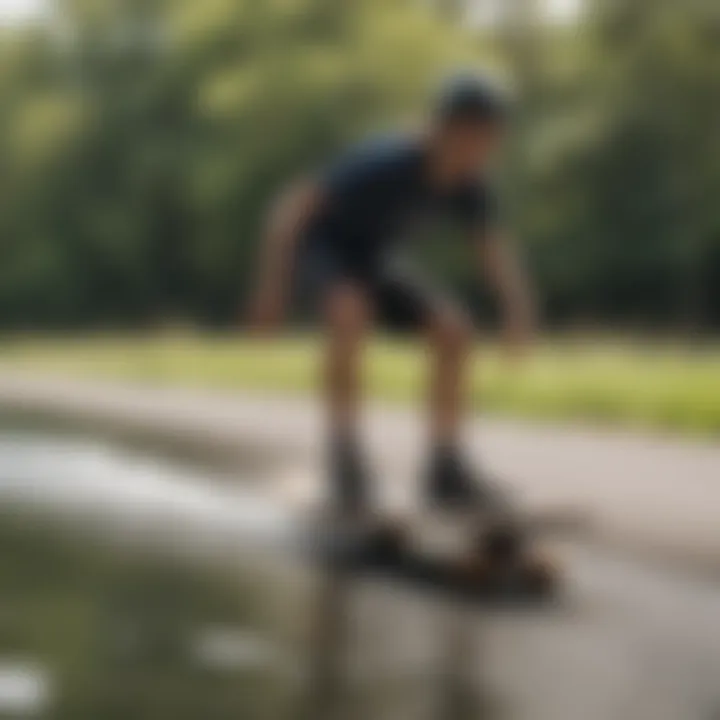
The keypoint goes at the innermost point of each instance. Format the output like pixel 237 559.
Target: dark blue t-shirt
pixel 378 193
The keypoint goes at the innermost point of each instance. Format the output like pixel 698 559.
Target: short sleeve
pixel 371 168
pixel 335 179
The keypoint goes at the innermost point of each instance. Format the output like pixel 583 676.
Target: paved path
pixel 642 644
pixel 654 491
pixel 636 643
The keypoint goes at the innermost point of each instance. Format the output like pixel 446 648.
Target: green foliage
pixel 626 161
pixel 141 142
pixel 155 140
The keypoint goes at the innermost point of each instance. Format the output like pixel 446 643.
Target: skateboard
pixel 484 558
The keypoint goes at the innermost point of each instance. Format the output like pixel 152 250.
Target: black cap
pixel 473 97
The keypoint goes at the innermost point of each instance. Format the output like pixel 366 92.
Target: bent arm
pixel 504 271
pixel 287 222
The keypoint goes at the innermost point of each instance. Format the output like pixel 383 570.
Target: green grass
pixel 621 383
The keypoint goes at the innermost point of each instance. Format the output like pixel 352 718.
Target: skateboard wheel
pixel 516 577
pixel 541 577
pixel 475 574
pixel 388 541
pixel 501 544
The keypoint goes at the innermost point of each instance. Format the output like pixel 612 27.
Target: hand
pixel 266 310
pixel 518 336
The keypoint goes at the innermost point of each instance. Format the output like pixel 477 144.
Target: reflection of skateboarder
pixel 341 229
pixel 460 693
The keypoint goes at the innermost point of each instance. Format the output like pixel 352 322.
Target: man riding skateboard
pixel 342 231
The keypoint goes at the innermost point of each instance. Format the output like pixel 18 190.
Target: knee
pixel 452 334
pixel 347 312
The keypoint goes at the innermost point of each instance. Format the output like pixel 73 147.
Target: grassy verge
pixel 661 386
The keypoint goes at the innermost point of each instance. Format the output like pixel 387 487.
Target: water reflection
pixel 132 584
pixel 135 587
pixel 325 694
pixel 456 694
pixel 107 596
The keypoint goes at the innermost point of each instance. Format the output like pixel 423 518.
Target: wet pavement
pixel 636 639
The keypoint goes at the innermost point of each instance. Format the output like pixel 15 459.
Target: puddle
pixel 110 582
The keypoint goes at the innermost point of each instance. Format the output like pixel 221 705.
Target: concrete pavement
pixel 651 491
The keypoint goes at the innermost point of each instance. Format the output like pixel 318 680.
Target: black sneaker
pixel 349 480
pixel 452 485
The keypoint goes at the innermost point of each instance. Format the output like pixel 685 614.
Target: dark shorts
pixel 403 299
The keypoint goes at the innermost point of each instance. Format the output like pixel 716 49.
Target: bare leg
pixel 452 482
pixel 347 314
pixel 347 317
pixel 450 335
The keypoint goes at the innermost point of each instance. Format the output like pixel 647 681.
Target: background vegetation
pixel 613 382
pixel 140 143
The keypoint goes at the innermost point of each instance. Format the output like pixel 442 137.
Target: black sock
pixel 443 452
pixel 343 442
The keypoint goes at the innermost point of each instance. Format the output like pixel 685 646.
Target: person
pixel 346 226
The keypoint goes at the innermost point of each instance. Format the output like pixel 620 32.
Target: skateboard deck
pixel 483 559
pixel 492 557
